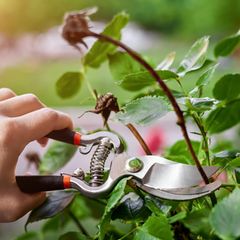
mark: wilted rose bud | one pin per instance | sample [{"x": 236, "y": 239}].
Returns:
[
  {"x": 105, "y": 104},
  {"x": 76, "y": 26}
]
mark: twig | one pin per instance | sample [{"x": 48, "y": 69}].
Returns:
[
  {"x": 204, "y": 135},
  {"x": 205, "y": 149},
  {"x": 139, "y": 138}
]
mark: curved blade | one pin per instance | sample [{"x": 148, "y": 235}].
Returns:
[
  {"x": 177, "y": 175},
  {"x": 182, "y": 194},
  {"x": 160, "y": 173}
]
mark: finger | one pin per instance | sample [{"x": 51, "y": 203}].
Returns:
[
  {"x": 19, "y": 105},
  {"x": 37, "y": 124},
  {"x": 20, "y": 203},
  {"x": 6, "y": 93}
]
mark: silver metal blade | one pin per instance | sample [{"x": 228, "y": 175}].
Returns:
[
  {"x": 195, "y": 190},
  {"x": 160, "y": 173},
  {"x": 175, "y": 175},
  {"x": 183, "y": 194}
]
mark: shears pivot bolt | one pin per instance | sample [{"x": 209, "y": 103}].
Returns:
[{"x": 134, "y": 165}]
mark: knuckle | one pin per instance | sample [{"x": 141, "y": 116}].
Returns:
[
  {"x": 31, "y": 98},
  {"x": 6, "y": 92},
  {"x": 50, "y": 114}
]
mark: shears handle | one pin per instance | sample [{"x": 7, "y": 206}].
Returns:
[
  {"x": 33, "y": 184},
  {"x": 66, "y": 135}
]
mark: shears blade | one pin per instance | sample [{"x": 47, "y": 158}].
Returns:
[
  {"x": 182, "y": 194},
  {"x": 166, "y": 174}
]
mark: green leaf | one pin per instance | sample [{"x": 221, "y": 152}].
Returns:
[
  {"x": 100, "y": 49},
  {"x": 225, "y": 156},
  {"x": 167, "y": 62},
  {"x": 117, "y": 193},
  {"x": 73, "y": 236},
  {"x": 156, "y": 205},
  {"x": 177, "y": 217},
  {"x": 195, "y": 58},
  {"x": 224, "y": 217},
  {"x": 139, "y": 80},
  {"x": 132, "y": 207},
  {"x": 228, "y": 87},
  {"x": 143, "y": 111},
  {"x": 121, "y": 64},
  {"x": 158, "y": 92},
  {"x": 57, "y": 155},
  {"x": 221, "y": 145},
  {"x": 55, "y": 226},
  {"x": 235, "y": 163},
  {"x": 197, "y": 104},
  {"x": 55, "y": 203},
  {"x": 203, "y": 104},
  {"x": 207, "y": 63},
  {"x": 80, "y": 208},
  {"x": 29, "y": 236},
  {"x": 223, "y": 118},
  {"x": 155, "y": 228},
  {"x": 69, "y": 84},
  {"x": 227, "y": 45},
  {"x": 179, "y": 152},
  {"x": 197, "y": 222},
  {"x": 96, "y": 208},
  {"x": 237, "y": 174},
  {"x": 204, "y": 79}
]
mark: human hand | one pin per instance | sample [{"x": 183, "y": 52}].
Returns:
[{"x": 22, "y": 119}]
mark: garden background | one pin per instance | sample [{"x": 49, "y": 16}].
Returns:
[{"x": 33, "y": 55}]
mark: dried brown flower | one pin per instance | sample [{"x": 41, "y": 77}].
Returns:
[
  {"x": 76, "y": 26},
  {"x": 105, "y": 105}
]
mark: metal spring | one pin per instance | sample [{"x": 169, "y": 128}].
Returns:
[{"x": 98, "y": 160}]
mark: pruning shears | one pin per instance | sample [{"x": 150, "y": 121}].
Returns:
[{"x": 156, "y": 175}]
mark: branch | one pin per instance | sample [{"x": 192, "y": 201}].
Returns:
[{"x": 178, "y": 111}]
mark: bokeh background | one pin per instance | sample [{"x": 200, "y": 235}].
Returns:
[{"x": 33, "y": 55}]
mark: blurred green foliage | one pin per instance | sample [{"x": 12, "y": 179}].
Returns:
[{"x": 188, "y": 18}]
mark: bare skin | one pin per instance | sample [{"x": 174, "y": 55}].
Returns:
[{"x": 23, "y": 119}]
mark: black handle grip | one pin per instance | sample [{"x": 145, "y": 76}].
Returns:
[
  {"x": 33, "y": 184},
  {"x": 65, "y": 135}
]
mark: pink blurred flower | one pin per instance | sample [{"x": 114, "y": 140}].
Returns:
[{"x": 155, "y": 140}]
